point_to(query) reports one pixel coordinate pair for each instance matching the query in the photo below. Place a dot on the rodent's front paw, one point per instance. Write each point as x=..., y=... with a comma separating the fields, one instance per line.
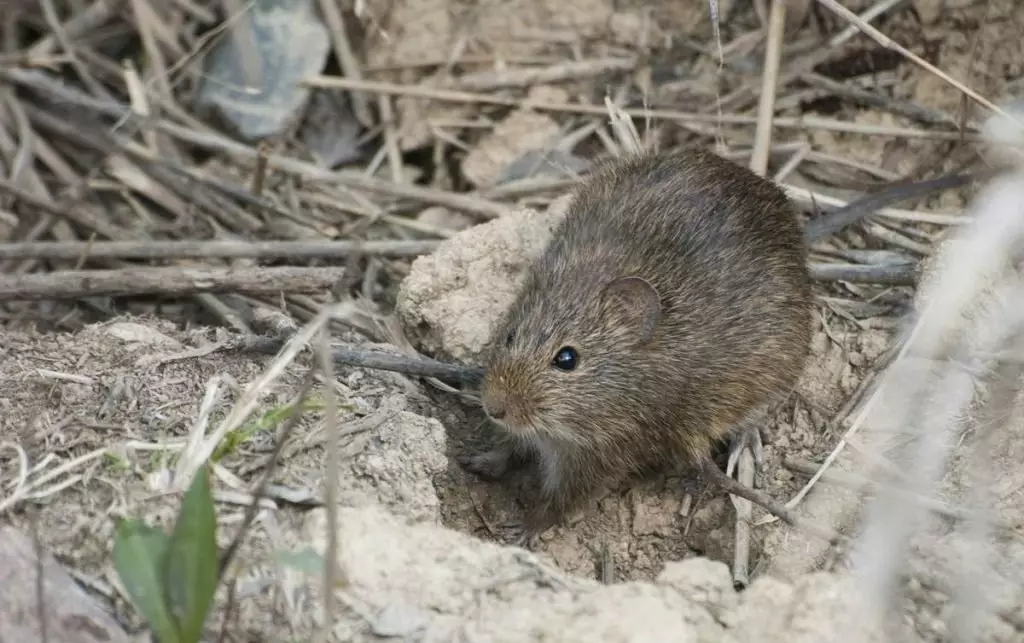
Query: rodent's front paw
x=491, y=464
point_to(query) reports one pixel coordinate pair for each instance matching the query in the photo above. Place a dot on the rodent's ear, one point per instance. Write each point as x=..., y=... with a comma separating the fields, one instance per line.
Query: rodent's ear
x=635, y=301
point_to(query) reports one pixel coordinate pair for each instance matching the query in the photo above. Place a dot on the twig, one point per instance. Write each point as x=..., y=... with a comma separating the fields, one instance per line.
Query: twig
x=523, y=77
x=331, y=12
x=889, y=43
x=332, y=574
x=83, y=21
x=745, y=464
x=838, y=219
x=882, y=274
x=212, y=141
x=868, y=15
x=927, y=115
x=816, y=199
x=76, y=284
x=744, y=514
x=769, y=85
x=229, y=609
x=765, y=501
x=391, y=138
x=259, y=174
x=139, y=101
x=40, y=584
x=151, y=250
x=144, y=22
x=855, y=481
x=351, y=355
x=800, y=123
x=260, y=492
x=53, y=21
x=81, y=216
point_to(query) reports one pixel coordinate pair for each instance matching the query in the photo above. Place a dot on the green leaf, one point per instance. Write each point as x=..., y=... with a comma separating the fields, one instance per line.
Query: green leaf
x=139, y=554
x=191, y=563
x=263, y=424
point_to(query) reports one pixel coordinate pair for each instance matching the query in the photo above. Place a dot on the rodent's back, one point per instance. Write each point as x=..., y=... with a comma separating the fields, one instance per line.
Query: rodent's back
x=723, y=249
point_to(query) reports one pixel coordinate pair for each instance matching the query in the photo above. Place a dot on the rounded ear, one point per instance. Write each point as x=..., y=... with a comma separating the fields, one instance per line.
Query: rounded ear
x=634, y=302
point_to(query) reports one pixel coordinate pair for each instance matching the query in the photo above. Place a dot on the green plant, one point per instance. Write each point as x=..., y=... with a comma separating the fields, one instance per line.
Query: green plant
x=172, y=579
x=265, y=423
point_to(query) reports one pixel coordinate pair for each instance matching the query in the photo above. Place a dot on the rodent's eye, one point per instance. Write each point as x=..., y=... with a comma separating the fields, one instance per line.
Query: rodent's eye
x=565, y=358
x=510, y=338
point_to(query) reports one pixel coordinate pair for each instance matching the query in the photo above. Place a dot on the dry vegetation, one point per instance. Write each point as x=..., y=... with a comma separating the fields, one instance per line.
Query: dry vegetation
x=144, y=187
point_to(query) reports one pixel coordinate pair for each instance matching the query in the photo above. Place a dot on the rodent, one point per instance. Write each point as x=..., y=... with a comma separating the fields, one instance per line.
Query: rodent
x=672, y=198
x=671, y=308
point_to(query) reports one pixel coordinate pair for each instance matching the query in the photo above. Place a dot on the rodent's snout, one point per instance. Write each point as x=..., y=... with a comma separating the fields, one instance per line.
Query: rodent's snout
x=495, y=399
x=495, y=406
x=496, y=411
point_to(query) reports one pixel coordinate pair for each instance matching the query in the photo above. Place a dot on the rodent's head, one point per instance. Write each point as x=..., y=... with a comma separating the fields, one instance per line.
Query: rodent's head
x=563, y=354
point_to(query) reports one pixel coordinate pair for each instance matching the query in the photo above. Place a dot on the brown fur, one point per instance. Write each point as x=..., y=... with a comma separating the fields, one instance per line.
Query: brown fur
x=722, y=250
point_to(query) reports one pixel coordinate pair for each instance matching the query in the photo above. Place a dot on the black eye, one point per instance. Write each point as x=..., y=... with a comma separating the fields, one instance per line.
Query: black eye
x=510, y=338
x=565, y=358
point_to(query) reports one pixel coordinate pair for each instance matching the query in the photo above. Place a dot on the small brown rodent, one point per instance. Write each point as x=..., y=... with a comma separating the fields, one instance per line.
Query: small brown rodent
x=670, y=310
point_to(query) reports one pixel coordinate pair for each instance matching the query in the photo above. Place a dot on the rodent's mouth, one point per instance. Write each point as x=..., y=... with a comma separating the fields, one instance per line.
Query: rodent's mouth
x=510, y=426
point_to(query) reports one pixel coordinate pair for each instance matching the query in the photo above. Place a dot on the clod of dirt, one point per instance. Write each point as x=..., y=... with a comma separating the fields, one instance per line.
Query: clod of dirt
x=556, y=163
x=521, y=131
x=816, y=608
x=443, y=218
x=928, y=10
x=396, y=456
x=432, y=583
x=137, y=336
x=451, y=299
x=72, y=616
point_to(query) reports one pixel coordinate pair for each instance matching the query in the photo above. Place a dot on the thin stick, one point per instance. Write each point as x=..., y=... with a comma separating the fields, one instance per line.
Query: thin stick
x=745, y=465
x=769, y=85
x=523, y=77
x=226, y=249
x=857, y=482
x=882, y=274
x=909, y=109
x=53, y=21
x=454, y=96
x=83, y=21
x=351, y=355
x=260, y=492
x=212, y=141
x=77, y=284
x=347, y=59
x=745, y=468
x=840, y=218
x=867, y=16
x=332, y=573
x=765, y=501
x=82, y=216
x=259, y=174
x=889, y=43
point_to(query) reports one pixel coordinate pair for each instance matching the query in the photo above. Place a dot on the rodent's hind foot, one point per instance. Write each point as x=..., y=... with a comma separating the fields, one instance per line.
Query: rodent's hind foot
x=517, y=534
x=746, y=435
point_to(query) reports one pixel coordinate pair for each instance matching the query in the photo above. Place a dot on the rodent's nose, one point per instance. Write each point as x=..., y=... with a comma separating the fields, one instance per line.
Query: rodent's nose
x=495, y=409
x=494, y=404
